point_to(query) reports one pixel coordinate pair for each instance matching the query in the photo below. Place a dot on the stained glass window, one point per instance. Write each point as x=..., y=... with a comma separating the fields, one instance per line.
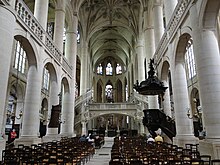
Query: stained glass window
x=118, y=69
x=99, y=69
x=109, y=69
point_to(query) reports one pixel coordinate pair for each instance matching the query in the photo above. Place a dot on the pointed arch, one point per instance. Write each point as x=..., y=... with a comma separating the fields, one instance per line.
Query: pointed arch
x=99, y=91
x=119, y=91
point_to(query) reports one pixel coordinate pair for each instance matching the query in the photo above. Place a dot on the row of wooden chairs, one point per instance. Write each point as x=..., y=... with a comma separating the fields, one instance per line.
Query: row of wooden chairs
x=137, y=151
x=68, y=151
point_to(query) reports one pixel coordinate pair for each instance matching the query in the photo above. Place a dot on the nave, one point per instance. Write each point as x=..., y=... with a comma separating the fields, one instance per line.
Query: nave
x=115, y=151
x=102, y=156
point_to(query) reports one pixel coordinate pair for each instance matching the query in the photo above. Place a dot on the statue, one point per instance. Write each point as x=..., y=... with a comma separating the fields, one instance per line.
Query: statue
x=55, y=115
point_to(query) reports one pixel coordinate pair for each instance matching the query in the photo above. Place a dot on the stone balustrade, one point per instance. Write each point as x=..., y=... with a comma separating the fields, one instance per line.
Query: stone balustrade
x=28, y=21
x=178, y=15
x=83, y=98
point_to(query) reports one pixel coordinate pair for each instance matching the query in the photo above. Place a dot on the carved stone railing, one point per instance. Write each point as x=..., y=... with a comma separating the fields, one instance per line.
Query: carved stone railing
x=132, y=106
x=85, y=98
x=66, y=65
x=178, y=15
x=140, y=98
x=96, y=109
x=111, y=106
x=52, y=48
x=27, y=19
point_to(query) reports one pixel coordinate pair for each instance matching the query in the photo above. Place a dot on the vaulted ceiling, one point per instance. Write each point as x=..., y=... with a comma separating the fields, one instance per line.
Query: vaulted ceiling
x=110, y=28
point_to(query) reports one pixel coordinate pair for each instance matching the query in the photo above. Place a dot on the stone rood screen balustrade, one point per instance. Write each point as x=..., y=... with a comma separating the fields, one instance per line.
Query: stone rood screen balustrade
x=26, y=18
x=94, y=110
x=133, y=107
x=179, y=13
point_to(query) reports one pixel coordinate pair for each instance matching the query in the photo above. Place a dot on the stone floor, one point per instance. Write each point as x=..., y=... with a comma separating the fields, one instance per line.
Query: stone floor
x=102, y=156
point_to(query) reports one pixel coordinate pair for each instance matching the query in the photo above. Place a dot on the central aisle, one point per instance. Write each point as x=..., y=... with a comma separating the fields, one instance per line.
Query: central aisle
x=102, y=156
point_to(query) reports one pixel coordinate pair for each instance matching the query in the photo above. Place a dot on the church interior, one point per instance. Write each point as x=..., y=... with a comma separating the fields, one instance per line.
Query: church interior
x=117, y=69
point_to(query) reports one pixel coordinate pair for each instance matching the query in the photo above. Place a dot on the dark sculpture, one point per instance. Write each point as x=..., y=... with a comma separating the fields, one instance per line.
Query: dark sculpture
x=155, y=118
x=55, y=115
x=152, y=85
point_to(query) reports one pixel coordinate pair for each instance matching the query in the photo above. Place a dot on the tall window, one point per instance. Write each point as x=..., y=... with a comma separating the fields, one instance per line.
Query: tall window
x=99, y=69
x=20, y=58
x=126, y=92
x=109, y=93
x=46, y=79
x=118, y=69
x=64, y=34
x=190, y=61
x=109, y=69
x=78, y=36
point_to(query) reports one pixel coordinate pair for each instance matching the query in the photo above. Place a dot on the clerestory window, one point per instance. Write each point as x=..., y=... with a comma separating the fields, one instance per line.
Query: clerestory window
x=99, y=69
x=190, y=61
x=46, y=79
x=20, y=58
x=118, y=69
x=109, y=69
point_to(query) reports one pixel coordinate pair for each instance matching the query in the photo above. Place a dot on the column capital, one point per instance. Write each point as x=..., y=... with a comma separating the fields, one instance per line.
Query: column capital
x=59, y=9
x=71, y=31
x=149, y=28
x=158, y=3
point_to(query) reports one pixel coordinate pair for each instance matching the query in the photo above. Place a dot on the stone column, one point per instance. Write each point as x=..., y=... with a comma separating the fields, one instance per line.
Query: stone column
x=30, y=125
x=140, y=54
x=84, y=68
x=106, y=129
x=67, y=128
x=207, y=58
x=7, y=27
x=166, y=102
x=84, y=130
x=141, y=127
x=158, y=21
x=83, y=118
x=206, y=51
x=52, y=133
x=89, y=124
x=132, y=123
x=59, y=25
x=150, y=49
x=184, y=125
x=118, y=127
x=169, y=7
x=41, y=12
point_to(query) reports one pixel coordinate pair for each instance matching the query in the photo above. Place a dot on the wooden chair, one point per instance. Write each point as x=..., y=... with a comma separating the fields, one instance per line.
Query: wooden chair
x=215, y=162
x=111, y=162
x=206, y=159
x=136, y=162
x=9, y=158
x=175, y=162
x=196, y=162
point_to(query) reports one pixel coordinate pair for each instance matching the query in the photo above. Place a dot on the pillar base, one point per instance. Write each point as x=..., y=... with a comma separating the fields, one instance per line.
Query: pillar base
x=27, y=140
x=51, y=137
x=52, y=134
x=210, y=147
x=181, y=140
x=68, y=134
